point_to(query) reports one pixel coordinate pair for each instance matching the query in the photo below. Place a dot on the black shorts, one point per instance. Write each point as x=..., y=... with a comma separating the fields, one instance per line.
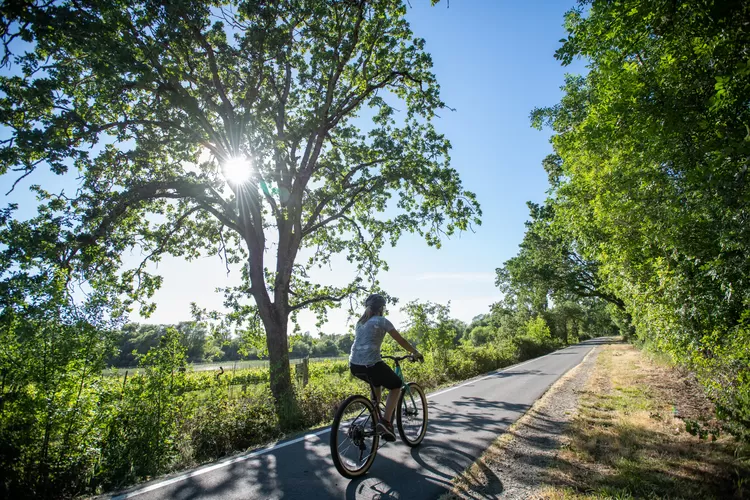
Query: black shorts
x=379, y=375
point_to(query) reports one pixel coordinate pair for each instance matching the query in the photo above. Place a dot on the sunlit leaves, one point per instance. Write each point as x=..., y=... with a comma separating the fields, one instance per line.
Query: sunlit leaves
x=651, y=180
x=167, y=96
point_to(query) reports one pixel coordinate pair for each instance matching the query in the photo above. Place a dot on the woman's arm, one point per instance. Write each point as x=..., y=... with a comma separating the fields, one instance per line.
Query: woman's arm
x=403, y=342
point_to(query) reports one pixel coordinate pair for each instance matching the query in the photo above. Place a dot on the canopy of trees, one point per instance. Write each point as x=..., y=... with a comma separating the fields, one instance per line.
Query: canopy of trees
x=649, y=182
x=548, y=265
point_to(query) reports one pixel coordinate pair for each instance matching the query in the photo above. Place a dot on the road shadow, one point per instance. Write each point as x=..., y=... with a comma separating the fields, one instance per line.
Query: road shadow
x=305, y=470
x=451, y=446
x=603, y=341
x=478, y=477
x=437, y=466
x=472, y=413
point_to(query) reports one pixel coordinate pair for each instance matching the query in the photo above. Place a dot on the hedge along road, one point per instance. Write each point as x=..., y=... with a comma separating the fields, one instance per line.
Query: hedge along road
x=463, y=421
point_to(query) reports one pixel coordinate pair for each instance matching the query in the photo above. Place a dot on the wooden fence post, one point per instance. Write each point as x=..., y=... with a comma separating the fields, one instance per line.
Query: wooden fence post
x=302, y=371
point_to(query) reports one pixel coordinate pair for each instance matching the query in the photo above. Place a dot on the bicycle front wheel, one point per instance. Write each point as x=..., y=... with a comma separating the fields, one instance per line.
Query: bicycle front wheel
x=412, y=414
x=354, y=440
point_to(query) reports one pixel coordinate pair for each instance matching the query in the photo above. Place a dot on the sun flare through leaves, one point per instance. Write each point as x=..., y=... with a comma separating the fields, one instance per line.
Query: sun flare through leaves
x=237, y=170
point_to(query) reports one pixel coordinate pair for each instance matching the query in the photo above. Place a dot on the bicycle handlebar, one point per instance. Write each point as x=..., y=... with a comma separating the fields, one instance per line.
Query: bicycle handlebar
x=410, y=357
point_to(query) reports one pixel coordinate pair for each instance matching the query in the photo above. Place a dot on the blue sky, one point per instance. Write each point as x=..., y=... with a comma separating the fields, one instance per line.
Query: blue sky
x=494, y=61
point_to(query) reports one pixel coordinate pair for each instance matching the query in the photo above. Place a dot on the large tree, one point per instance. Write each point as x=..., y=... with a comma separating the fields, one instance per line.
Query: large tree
x=251, y=129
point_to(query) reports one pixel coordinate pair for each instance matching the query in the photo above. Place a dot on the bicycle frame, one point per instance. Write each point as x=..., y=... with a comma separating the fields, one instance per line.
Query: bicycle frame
x=404, y=386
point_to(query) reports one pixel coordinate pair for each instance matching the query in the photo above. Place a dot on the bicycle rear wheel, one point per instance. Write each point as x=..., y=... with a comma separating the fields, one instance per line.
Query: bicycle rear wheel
x=412, y=414
x=354, y=440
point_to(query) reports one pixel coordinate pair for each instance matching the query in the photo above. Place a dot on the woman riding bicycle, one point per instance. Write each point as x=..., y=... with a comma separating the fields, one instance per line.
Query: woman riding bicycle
x=365, y=362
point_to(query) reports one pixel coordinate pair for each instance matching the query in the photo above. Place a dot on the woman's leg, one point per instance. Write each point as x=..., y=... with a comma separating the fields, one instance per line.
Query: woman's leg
x=377, y=390
x=390, y=403
x=382, y=375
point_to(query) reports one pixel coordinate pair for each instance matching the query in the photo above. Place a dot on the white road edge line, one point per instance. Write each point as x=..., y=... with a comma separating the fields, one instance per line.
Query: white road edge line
x=262, y=451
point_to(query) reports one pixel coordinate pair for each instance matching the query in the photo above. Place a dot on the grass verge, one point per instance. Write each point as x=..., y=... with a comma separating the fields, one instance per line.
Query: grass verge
x=629, y=441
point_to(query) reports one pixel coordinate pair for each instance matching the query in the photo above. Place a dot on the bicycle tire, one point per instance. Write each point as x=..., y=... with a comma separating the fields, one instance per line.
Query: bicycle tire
x=334, y=439
x=416, y=392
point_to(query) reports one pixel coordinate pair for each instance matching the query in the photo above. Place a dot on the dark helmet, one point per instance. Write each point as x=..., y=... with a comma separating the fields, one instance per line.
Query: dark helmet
x=376, y=302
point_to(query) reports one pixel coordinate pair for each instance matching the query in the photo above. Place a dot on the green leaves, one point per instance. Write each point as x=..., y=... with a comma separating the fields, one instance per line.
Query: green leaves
x=430, y=327
x=650, y=180
x=550, y=266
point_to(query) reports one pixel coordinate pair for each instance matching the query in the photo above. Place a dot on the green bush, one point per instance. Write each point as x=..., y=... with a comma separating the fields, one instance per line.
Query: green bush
x=535, y=339
x=50, y=422
x=320, y=399
x=142, y=437
x=222, y=423
x=722, y=363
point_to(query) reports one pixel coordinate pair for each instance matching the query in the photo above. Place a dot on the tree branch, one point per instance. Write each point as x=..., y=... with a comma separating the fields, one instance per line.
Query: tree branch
x=356, y=100
x=317, y=137
x=189, y=103
x=223, y=249
x=362, y=240
x=163, y=243
x=311, y=228
x=323, y=298
x=272, y=202
x=174, y=189
x=26, y=174
x=227, y=104
x=345, y=183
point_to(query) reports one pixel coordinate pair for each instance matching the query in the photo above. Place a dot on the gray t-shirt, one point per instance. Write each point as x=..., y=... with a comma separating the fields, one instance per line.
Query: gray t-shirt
x=367, y=341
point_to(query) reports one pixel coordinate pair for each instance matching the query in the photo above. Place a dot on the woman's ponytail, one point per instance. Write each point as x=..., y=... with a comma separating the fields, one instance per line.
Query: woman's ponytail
x=374, y=307
x=369, y=313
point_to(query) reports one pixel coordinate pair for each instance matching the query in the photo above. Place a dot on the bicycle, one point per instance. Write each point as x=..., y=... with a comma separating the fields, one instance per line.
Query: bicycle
x=354, y=425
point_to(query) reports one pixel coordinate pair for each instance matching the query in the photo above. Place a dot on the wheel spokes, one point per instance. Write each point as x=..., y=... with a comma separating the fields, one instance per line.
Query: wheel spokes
x=355, y=438
x=413, y=416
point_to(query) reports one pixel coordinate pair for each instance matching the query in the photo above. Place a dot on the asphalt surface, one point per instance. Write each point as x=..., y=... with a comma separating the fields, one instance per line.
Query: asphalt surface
x=463, y=421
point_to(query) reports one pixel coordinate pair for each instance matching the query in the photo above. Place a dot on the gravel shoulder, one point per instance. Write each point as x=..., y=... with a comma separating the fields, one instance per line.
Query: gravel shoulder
x=516, y=464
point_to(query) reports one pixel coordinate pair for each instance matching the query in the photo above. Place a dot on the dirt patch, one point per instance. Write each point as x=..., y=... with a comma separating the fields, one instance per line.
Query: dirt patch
x=614, y=427
x=682, y=390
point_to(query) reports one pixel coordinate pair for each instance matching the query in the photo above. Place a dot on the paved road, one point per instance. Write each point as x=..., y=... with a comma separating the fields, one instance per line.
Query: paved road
x=464, y=420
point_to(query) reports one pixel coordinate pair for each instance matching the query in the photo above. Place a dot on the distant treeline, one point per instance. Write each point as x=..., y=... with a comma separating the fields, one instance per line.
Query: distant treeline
x=136, y=339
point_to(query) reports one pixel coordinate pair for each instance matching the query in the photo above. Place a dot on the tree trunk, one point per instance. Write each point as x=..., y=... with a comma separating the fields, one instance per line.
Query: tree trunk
x=287, y=408
x=275, y=319
x=275, y=313
x=629, y=332
x=278, y=354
